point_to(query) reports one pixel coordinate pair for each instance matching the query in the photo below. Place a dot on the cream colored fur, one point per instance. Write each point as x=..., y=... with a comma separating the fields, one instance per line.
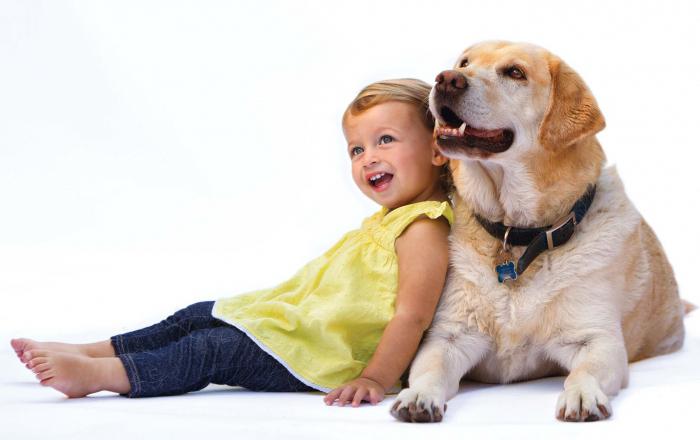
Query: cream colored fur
x=585, y=309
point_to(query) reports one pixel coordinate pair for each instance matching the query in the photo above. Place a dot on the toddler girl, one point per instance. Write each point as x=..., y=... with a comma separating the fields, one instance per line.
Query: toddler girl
x=348, y=323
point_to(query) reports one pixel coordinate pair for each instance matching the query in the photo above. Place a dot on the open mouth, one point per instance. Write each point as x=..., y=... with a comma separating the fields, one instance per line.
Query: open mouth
x=379, y=181
x=455, y=134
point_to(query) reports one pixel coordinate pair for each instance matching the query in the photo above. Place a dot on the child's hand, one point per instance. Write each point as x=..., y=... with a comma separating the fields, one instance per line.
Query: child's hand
x=355, y=392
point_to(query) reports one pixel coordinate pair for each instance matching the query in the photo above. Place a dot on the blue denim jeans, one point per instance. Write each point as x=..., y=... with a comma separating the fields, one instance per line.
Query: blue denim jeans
x=191, y=349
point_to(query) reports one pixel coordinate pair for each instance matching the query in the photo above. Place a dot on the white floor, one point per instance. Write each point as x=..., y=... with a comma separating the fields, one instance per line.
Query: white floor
x=661, y=400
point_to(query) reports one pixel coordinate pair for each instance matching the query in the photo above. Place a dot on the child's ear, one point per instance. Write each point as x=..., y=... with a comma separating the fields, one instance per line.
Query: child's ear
x=438, y=159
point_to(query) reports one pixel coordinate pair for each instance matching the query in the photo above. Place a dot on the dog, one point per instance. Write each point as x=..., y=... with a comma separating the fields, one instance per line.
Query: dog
x=552, y=269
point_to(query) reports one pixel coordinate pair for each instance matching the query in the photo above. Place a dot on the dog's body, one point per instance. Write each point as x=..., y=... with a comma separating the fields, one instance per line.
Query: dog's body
x=604, y=298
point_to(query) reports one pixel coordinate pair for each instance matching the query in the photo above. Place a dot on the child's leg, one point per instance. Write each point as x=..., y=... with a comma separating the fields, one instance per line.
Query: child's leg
x=194, y=317
x=221, y=355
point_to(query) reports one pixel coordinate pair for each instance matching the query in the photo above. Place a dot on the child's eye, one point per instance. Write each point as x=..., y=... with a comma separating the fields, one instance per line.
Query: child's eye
x=385, y=139
x=356, y=150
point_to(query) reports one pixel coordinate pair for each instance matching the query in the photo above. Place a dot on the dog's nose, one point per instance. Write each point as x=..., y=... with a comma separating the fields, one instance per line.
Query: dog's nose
x=451, y=81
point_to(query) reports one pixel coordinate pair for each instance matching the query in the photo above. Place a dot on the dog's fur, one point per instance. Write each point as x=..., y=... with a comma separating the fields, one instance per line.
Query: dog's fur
x=605, y=298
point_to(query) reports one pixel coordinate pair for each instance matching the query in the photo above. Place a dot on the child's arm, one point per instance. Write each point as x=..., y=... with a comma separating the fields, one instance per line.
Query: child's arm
x=422, y=252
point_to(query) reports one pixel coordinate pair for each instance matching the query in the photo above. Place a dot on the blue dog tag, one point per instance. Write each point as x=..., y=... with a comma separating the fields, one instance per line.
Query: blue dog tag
x=506, y=271
x=505, y=268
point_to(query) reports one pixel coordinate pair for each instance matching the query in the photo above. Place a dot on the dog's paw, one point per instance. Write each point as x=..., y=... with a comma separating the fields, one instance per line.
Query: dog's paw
x=417, y=406
x=583, y=403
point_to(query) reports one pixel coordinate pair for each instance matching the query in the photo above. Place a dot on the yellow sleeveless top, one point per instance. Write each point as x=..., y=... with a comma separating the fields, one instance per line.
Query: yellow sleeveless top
x=325, y=322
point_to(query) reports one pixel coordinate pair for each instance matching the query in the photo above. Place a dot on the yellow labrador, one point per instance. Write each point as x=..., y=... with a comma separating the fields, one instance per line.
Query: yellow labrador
x=553, y=270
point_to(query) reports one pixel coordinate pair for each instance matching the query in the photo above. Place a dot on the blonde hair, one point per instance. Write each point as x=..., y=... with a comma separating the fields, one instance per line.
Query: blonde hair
x=408, y=90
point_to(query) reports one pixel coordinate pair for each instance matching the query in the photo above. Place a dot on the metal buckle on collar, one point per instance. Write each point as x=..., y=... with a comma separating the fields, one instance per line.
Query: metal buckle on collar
x=558, y=225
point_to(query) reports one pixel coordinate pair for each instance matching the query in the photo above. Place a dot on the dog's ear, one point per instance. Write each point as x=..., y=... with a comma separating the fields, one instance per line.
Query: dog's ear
x=573, y=112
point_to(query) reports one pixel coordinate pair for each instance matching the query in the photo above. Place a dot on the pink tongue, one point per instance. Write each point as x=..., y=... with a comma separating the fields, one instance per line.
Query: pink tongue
x=483, y=133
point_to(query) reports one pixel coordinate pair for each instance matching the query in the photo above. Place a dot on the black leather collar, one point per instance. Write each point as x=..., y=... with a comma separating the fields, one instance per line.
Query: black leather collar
x=540, y=239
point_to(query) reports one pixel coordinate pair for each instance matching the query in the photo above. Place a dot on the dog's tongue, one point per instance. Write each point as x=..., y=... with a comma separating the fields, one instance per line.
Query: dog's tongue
x=482, y=133
x=466, y=130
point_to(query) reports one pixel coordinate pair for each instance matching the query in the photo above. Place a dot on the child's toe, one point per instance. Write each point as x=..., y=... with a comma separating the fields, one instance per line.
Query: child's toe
x=35, y=362
x=31, y=354
x=40, y=365
x=45, y=375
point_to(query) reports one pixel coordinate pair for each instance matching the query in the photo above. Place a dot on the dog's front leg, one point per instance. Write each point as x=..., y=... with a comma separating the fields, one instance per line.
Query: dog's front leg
x=443, y=358
x=598, y=369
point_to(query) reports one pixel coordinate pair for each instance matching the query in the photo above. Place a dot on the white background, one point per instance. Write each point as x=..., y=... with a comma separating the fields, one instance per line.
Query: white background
x=154, y=154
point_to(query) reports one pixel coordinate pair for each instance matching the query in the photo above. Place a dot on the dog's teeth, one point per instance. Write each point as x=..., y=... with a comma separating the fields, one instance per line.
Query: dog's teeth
x=462, y=128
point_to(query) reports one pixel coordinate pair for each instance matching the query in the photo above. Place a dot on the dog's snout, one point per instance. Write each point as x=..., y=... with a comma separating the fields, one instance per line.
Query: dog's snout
x=451, y=81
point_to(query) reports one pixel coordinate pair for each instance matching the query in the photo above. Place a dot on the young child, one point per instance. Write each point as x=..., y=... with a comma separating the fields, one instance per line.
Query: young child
x=348, y=323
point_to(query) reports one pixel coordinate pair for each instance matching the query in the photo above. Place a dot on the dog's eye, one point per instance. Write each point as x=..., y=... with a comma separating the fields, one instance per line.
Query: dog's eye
x=514, y=73
x=356, y=150
x=385, y=139
x=464, y=63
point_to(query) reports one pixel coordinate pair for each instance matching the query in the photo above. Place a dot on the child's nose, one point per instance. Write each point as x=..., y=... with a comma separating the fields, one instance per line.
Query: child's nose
x=371, y=158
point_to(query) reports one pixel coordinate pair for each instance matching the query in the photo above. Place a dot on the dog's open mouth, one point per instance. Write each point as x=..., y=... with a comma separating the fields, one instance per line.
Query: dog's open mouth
x=455, y=134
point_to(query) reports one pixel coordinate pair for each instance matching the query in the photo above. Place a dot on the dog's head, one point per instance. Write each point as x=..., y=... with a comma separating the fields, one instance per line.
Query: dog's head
x=502, y=100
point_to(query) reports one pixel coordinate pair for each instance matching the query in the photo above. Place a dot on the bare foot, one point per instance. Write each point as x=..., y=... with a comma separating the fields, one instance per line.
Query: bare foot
x=76, y=375
x=97, y=349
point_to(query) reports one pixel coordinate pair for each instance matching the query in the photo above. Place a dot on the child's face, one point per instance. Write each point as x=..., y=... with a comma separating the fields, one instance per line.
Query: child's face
x=394, y=160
